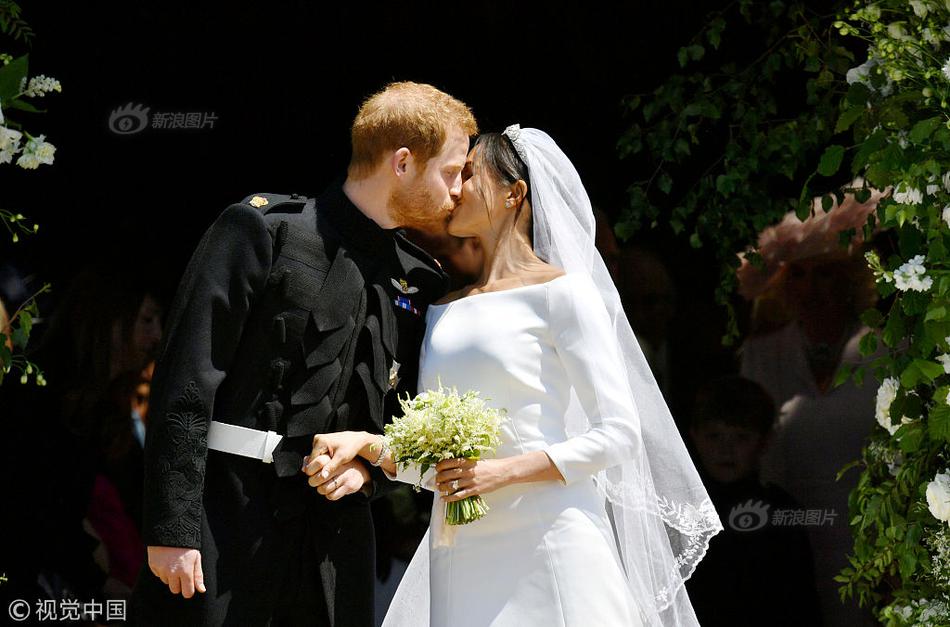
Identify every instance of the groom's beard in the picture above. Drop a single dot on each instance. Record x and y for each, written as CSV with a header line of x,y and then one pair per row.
x,y
416,209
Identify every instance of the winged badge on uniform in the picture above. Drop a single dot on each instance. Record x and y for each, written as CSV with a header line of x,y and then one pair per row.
x,y
402,300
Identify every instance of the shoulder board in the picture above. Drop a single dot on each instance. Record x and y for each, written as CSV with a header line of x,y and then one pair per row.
x,y
275,203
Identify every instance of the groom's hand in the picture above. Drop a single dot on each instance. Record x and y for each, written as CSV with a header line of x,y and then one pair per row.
x,y
345,479
178,568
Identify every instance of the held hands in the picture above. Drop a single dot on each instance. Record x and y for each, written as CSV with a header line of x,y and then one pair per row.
x,y
341,448
461,478
337,482
178,568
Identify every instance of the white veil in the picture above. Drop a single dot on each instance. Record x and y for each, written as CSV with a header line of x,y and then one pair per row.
x,y
662,515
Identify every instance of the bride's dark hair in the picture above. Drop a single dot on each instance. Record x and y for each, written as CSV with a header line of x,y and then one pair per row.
x,y
497,156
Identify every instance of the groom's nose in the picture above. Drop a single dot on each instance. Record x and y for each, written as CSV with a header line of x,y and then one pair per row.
x,y
456,190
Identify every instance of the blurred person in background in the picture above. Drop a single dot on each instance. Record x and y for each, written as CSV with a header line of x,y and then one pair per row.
x,y
759,569
808,297
63,439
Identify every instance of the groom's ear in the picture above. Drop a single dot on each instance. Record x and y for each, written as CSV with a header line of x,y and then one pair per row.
x,y
401,161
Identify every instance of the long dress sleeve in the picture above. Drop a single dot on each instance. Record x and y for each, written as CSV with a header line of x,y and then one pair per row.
x,y
228,269
583,336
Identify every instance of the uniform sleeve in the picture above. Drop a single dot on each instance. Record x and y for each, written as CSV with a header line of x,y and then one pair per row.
x,y
227,271
587,345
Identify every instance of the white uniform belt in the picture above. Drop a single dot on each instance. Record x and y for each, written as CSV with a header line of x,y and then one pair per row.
x,y
243,441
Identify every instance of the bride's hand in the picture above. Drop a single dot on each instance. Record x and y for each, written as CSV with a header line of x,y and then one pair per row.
x,y
341,447
461,478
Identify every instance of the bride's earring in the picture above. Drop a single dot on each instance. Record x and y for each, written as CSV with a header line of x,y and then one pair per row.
x,y
509,202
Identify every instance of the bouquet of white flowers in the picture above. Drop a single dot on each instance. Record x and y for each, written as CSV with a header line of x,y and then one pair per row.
x,y
441,424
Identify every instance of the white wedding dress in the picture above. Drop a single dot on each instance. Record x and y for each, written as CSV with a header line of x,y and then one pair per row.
x,y
545,554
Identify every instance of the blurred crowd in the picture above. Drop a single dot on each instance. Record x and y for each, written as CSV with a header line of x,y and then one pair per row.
x,y
767,427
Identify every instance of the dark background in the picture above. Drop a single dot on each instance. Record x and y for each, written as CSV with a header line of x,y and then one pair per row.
x,y
284,80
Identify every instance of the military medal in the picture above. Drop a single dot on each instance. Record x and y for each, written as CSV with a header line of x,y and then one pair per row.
x,y
402,301
394,375
403,286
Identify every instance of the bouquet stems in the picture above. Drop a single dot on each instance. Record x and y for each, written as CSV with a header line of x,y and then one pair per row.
x,y
465,511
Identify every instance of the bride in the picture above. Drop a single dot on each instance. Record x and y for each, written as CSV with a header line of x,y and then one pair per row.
x,y
597,515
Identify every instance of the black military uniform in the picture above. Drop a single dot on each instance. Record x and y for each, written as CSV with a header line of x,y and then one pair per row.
x,y
298,316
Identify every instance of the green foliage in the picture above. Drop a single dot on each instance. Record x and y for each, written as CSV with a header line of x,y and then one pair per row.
x,y
12,24
14,340
896,113
723,148
15,87
721,139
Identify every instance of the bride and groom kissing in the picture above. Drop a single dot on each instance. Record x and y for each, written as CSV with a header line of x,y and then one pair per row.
x,y
298,324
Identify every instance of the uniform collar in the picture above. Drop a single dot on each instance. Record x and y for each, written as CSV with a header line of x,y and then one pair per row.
x,y
354,227
362,233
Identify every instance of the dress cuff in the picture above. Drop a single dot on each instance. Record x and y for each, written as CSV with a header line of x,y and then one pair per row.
x,y
412,476
560,455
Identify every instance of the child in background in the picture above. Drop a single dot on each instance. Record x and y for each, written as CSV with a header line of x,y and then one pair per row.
x,y
758,571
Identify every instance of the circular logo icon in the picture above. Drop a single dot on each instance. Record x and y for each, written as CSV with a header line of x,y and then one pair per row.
x,y
19,610
749,516
128,119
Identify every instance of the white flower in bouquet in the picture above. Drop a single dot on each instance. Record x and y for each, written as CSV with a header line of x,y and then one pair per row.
x,y
931,36
945,361
946,215
946,69
920,8
441,424
912,275
938,496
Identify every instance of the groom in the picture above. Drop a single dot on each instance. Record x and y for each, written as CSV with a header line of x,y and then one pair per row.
x,y
295,316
